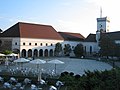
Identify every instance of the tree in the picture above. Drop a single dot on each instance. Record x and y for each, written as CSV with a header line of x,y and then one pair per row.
x,y
6,52
78,50
117,50
107,46
58,49
67,49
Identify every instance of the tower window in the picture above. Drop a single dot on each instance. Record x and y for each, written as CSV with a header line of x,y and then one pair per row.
x,y
15,43
46,44
51,44
29,43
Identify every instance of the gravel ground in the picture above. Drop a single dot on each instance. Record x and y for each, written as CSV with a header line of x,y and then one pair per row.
x,y
77,66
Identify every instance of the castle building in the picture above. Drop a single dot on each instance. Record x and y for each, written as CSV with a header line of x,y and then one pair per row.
x,y
35,40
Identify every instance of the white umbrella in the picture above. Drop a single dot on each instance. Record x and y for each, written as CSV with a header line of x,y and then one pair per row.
x,y
21,60
12,54
38,62
2,54
55,61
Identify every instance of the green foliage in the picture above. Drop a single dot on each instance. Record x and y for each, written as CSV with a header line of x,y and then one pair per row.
x,y
58,49
6,52
117,50
97,80
79,50
107,46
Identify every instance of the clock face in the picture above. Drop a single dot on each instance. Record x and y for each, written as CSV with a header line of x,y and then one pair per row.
x,y
100,25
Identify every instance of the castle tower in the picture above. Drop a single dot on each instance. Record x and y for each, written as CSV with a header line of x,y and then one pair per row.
x,y
102,26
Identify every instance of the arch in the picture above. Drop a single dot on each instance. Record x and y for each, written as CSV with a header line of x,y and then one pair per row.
x,y
90,49
85,49
0,42
40,52
23,54
46,53
51,52
29,53
35,53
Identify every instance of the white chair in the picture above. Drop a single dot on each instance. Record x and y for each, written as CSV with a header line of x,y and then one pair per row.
x,y
27,81
18,85
33,87
52,88
59,83
42,81
1,79
13,80
22,87
7,85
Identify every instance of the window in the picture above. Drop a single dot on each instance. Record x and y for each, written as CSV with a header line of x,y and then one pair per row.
x,y
85,49
35,44
0,42
51,44
46,44
90,49
23,43
41,44
29,43
15,43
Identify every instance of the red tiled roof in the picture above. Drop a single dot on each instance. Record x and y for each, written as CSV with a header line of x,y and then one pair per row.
x,y
72,36
28,30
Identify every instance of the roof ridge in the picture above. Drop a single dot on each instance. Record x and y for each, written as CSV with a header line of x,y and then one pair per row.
x,y
68,32
34,24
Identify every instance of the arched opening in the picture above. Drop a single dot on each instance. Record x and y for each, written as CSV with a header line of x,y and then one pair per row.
x,y
35,53
51,52
40,52
85,49
46,53
29,53
90,49
23,54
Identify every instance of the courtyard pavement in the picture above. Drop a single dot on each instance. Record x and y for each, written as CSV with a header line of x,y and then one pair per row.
x,y
77,66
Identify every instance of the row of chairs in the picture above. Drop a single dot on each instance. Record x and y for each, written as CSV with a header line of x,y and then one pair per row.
x,y
13,84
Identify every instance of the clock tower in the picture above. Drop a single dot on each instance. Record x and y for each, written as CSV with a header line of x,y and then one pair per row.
x,y
102,27
103,24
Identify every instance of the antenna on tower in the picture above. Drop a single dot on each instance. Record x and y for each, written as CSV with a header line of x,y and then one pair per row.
x,y
100,12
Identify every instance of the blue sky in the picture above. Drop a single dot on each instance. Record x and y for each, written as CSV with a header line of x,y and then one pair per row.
x,y
77,16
